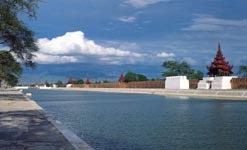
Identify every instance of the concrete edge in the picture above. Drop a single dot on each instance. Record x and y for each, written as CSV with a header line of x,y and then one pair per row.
x,y
209,94
73,139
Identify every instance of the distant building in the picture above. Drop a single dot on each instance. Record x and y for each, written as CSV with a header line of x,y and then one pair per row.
x,y
88,81
219,67
70,81
121,78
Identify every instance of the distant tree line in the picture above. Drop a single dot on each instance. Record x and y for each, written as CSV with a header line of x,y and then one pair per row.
x,y
172,68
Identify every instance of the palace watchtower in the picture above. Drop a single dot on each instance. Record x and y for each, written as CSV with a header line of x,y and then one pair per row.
x,y
219,67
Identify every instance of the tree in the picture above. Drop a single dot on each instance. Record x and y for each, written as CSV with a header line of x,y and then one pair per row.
x,y
47,84
196,75
12,80
242,71
78,81
13,32
106,81
141,77
97,82
174,68
59,83
10,70
131,77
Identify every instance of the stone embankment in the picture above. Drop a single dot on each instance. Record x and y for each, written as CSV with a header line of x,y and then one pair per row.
x,y
25,126
211,94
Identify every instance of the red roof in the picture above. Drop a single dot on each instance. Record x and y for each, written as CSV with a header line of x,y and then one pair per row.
x,y
88,81
70,81
219,67
121,78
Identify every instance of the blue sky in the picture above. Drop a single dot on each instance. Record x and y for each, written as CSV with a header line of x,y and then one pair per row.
x,y
138,33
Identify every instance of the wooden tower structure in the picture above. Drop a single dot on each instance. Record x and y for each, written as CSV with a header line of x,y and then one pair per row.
x,y
219,67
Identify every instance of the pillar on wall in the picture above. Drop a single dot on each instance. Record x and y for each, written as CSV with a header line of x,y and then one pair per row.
x,y
177,82
206,83
223,82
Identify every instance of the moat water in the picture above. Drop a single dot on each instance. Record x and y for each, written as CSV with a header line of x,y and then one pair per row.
x,y
112,121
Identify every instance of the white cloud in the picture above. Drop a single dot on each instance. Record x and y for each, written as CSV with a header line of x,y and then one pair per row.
x,y
46,58
123,45
203,27
127,19
75,42
209,23
165,55
143,3
73,46
190,60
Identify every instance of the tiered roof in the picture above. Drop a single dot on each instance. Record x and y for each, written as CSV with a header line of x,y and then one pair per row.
x,y
88,81
70,81
121,78
219,67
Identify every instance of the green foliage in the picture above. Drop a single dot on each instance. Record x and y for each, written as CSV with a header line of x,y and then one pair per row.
x,y
196,75
10,70
47,84
157,79
242,71
174,68
106,81
12,80
97,82
78,81
13,32
141,77
131,77
60,84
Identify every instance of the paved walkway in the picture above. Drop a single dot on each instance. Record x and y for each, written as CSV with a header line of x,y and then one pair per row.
x,y
24,126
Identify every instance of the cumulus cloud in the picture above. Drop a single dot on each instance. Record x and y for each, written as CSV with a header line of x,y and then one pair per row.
x,y
73,47
121,45
127,19
203,27
190,60
165,55
209,23
143,3
46,59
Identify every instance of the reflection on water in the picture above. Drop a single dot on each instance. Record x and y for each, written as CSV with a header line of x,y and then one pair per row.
x,y
148,122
